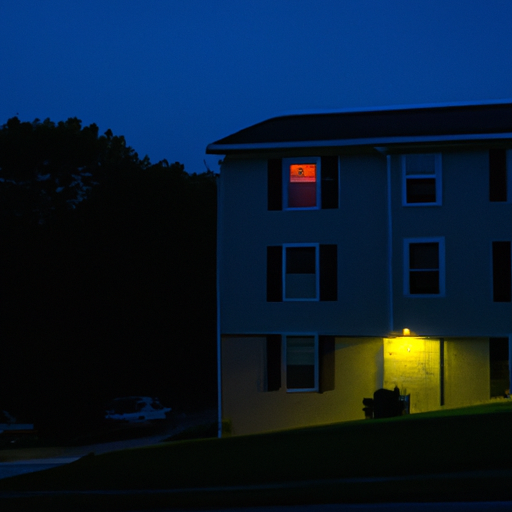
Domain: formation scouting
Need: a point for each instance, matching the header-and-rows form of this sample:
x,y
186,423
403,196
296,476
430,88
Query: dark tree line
x,y
107,280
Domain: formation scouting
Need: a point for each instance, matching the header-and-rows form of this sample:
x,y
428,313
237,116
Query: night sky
x,y
174,75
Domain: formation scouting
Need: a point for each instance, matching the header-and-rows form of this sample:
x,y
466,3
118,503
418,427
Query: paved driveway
x,y
27,460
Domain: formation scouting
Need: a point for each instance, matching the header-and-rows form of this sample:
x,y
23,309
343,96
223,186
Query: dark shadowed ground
x,y
118,438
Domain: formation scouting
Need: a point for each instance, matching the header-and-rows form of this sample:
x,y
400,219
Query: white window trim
x,y
316,388
442,284
286,176
317,273
437,175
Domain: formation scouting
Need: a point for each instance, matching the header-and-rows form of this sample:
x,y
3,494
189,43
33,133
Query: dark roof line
x,y
398,125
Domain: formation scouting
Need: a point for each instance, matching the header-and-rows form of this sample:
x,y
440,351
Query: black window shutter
x,y
502,272
326,354
328,272
329,166
273,362
497,175
274,273
275,184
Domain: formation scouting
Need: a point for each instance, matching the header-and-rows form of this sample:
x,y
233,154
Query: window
x,y
302,272
301,363
309,362
424,267
421,179
501,272
307,183
301,180
499,175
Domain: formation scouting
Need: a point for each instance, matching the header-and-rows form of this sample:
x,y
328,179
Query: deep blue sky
x,y
175,75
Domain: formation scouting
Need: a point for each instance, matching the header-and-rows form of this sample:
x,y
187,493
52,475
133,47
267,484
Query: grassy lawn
x,y
307,463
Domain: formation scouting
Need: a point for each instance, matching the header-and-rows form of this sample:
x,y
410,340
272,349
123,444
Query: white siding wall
x,y
469,222
358,227
250,409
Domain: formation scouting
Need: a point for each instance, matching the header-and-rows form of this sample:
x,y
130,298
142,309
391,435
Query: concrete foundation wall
x,y
467,373
362,365
251,409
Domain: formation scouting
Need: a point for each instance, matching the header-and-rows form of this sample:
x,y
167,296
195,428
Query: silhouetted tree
x,y
107,274
46,167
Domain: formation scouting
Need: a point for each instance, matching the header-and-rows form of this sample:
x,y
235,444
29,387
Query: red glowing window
x,y
302,173
302,185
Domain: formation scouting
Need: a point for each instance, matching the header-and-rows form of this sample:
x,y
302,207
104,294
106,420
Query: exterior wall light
x,y
406,332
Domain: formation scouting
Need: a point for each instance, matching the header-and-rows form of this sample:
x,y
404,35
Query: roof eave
x,y
224,149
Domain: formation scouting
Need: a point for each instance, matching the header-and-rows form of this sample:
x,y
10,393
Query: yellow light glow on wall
x,y
413,364
405,346
302,173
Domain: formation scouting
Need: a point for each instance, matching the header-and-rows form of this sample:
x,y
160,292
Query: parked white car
x,y
136,409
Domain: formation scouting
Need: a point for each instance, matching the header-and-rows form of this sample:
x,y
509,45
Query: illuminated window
x,y
424,267
302,272
308,183
421,179
301,363
302,185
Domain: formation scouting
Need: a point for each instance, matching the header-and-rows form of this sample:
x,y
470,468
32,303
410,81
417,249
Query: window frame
x,y
316,298
327,272
316,387
275,370
442,266
437,175
286,162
